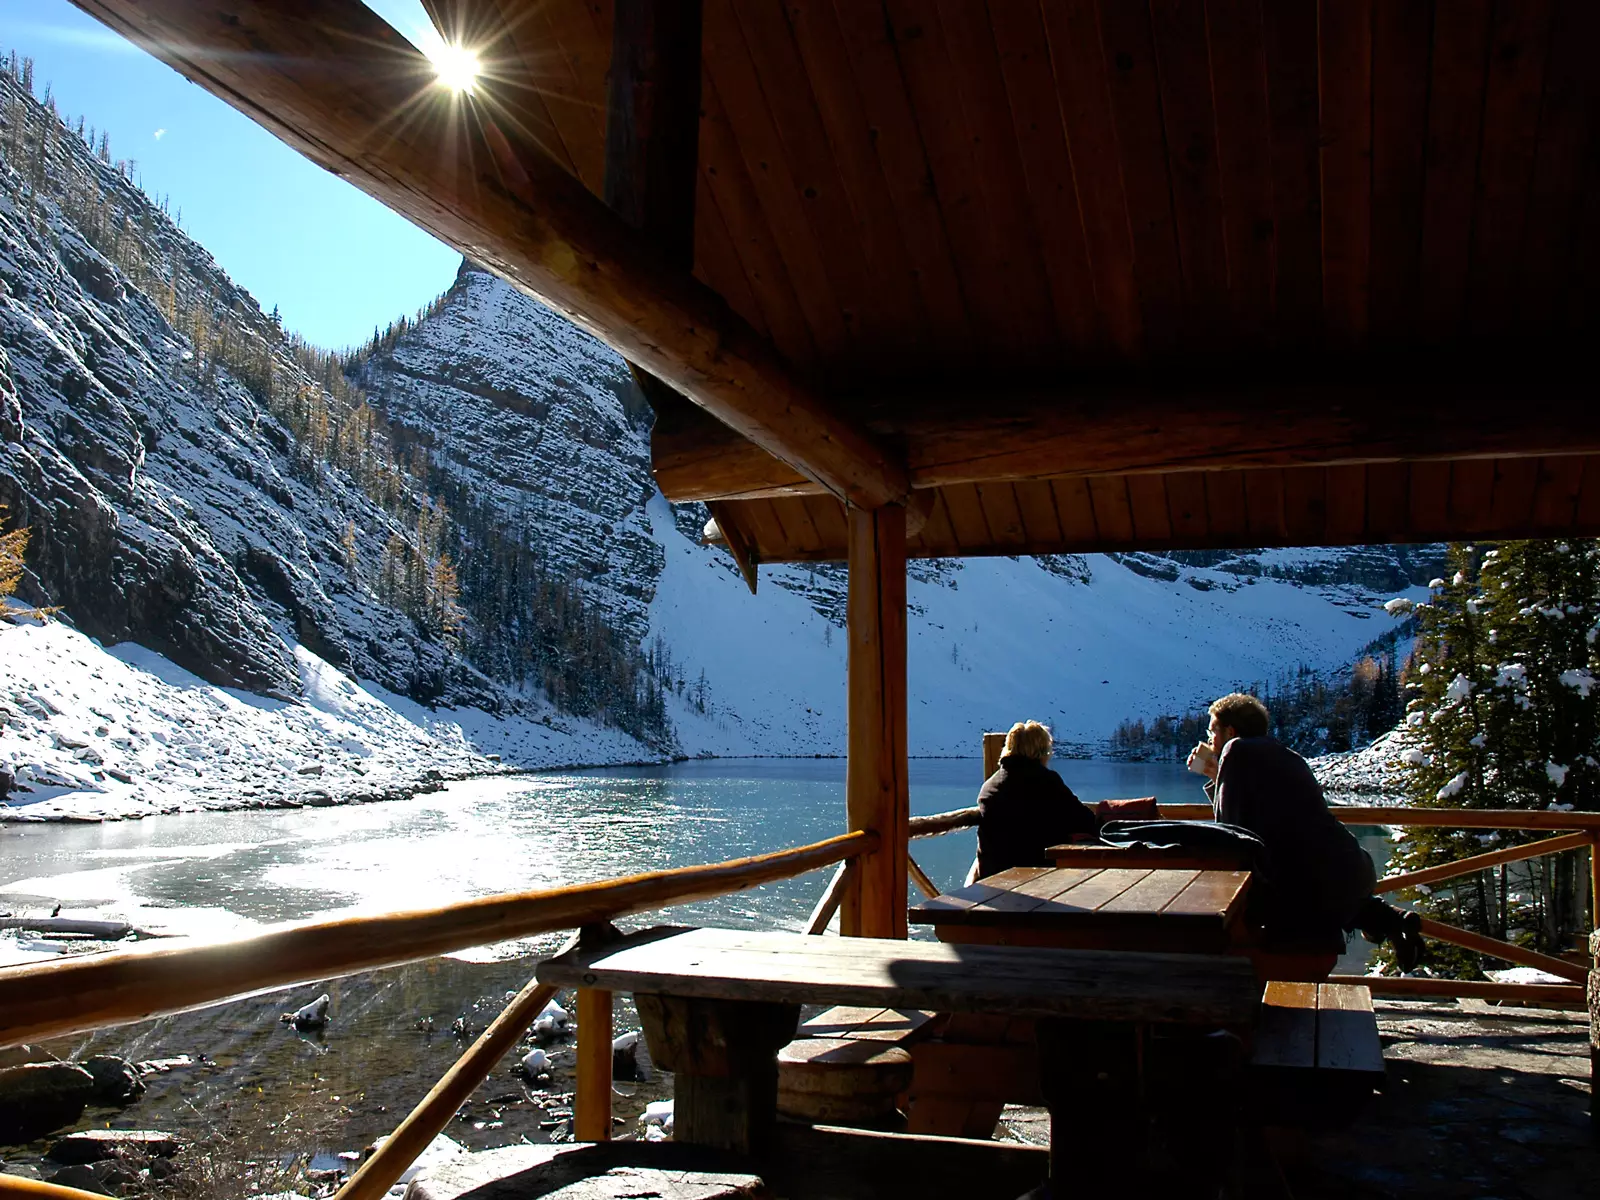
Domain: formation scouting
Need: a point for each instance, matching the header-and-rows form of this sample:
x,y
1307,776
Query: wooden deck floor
x,y
1479,1102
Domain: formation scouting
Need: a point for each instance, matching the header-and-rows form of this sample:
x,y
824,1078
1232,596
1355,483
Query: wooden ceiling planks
x,y
1290,34
1344,38
1296,506
1518,47
1402,35
1455,127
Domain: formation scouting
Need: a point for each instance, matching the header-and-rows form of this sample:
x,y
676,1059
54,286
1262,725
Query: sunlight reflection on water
x,y
513,833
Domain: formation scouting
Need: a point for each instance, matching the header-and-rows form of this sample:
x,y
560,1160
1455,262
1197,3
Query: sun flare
x,y
457,67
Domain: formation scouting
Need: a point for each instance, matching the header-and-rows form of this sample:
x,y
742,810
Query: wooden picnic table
x,y
1152,909
717,1004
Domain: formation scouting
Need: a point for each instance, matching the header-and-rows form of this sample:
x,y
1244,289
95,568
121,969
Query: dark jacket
x,y
1319,873
1025,807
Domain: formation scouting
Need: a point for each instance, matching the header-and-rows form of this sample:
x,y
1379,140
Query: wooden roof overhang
x,y
1059,275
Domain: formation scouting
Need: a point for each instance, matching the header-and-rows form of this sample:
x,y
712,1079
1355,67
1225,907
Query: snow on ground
x,y
990,641
1369,774
99,733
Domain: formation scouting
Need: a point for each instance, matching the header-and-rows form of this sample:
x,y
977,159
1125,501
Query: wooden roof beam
x,y
335,82
991,435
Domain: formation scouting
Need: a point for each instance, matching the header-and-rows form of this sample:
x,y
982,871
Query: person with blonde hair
x,y
1025,807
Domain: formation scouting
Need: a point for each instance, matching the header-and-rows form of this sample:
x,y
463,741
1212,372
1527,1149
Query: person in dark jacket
x,y
1321,878
1025,807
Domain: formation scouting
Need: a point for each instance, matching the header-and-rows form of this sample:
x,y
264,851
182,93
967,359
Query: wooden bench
x,y
1315,1055
718,1004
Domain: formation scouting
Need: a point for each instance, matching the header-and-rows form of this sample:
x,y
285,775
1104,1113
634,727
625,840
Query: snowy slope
x,y
105,734
992,641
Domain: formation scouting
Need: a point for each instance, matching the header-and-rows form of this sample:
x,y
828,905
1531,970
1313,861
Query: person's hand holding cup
x,y
1203,760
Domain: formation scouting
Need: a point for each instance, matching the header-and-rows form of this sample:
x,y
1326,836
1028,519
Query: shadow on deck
x,y
1479,1102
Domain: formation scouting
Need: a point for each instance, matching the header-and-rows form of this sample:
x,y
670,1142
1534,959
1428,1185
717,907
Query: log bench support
x,y
724,1058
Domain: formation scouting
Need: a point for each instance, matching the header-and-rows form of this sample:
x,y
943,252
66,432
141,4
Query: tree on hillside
x,y
13,545
1502,714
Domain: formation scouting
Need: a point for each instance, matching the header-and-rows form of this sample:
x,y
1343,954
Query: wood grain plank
x,y
1046,168
1052,883
970,40
859,242
1037,507
1305,504
829,292
1286,1029
1455,123
717,261
1113,515
1346,496
1290,28
897,142
1471,492
761,525
937,531
1189,120
1079,66
1515,482
1147,500
1092,895
908,268
1555,499
1075,510
999,980
578,114
795,516
1225,506
939,81
966,515
1430,499
1186,505
1142,151
1388,501
1589,497
1566,121
1401,33
1519,42
1344,33
1347,1030
1244,159
828,519
729,185
1218,893
1152,894
1002,514
1263,506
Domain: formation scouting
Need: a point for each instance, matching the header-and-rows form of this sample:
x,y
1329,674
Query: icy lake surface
x,y
213,873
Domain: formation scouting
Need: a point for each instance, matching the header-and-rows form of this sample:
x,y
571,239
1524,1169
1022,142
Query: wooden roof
x,y
1059,274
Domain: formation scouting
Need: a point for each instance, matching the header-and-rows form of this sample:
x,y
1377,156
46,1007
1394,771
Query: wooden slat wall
x,y
910,187
1301,506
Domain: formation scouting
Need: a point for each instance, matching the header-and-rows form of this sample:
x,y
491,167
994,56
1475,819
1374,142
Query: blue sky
x,y
334,261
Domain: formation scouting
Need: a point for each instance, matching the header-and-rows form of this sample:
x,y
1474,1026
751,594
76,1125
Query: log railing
x,y
82,994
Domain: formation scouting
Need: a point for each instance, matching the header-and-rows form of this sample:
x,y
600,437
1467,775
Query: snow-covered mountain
x,y
202,487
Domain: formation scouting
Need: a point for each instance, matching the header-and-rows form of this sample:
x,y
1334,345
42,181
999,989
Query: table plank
x,y
1011,981
1151,894
984,890
1214,893
1092,894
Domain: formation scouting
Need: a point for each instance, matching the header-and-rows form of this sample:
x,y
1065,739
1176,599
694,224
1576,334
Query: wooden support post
x,y
876,791
724,1058
994,745
591,1109
1593,988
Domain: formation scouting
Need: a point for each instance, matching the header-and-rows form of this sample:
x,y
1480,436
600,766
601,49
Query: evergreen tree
x,y
1502,713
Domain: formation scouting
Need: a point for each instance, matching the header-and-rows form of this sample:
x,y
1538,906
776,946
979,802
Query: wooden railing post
x,y
877,795
994,745
591,1108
